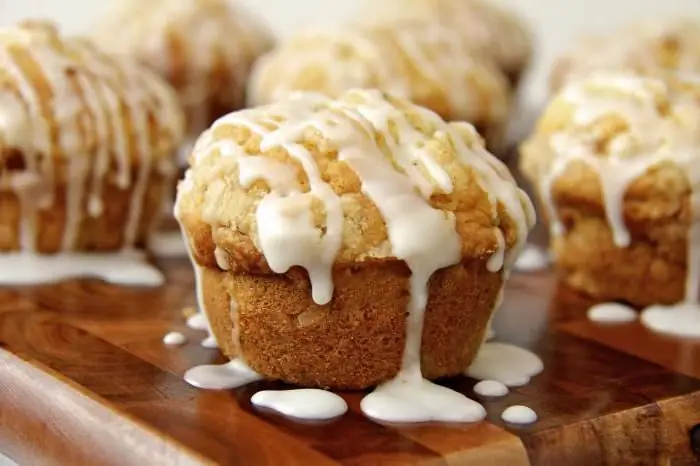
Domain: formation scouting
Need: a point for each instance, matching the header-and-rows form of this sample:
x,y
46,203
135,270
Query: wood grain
x,y
86,379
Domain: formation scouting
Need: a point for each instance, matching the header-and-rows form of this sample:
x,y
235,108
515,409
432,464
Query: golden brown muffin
x,y
203,48
640,48
317,226
483,25
86,142
615,160
425,63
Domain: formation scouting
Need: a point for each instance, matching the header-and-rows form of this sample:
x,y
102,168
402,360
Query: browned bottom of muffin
x,y
357,340
105,232
652,270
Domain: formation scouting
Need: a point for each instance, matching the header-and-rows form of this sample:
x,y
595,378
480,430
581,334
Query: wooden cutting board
x,y
86,379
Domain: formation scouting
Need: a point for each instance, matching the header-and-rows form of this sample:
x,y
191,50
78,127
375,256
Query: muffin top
x,y
324,183
423,62
615,137
494,31
62,98
202,47
640,47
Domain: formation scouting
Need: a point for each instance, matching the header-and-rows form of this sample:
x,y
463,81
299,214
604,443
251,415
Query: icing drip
x,y
652,138
305,404
233,374
70,110
612,313
519,415
505,363
423,236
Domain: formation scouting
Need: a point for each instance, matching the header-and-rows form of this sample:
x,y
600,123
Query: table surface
x,y
86,379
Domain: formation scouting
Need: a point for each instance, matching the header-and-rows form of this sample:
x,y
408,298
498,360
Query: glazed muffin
x,y
671,45
203,48
317,226
487,28
614,159
425,63
86,144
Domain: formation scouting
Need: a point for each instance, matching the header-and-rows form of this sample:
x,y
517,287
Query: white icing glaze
x,y
421,235
505,363
490,388
652,138
532,259
174,339
419,400
128,268
82,127
233,374
167,245
198,321
681,320
210,342
519,415
612,313
307,404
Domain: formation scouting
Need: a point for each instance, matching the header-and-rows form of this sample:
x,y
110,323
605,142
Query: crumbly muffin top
x,y
184,41
613,137
62,98
496,32
640,47
324,183
423,62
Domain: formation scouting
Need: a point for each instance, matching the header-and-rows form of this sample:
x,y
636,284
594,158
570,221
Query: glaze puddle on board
x,y
167,245
174,339
519,415
305,403
612,313
511,365
233,374
121,268
491,389
681,320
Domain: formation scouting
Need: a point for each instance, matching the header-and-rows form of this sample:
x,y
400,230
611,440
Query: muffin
x,y
614,160
317,226
425,63
86,144
672,45
203,48
487,28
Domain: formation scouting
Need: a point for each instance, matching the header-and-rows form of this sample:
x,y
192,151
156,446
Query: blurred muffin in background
x,y
87,146
203,48
639,48
483,25
422,62
615,161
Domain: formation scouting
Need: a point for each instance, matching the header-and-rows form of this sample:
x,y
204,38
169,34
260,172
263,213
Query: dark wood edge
x,y
90,432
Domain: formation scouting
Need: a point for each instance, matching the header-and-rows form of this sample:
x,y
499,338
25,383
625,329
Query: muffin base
x,y
357,340
102,233
652,270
